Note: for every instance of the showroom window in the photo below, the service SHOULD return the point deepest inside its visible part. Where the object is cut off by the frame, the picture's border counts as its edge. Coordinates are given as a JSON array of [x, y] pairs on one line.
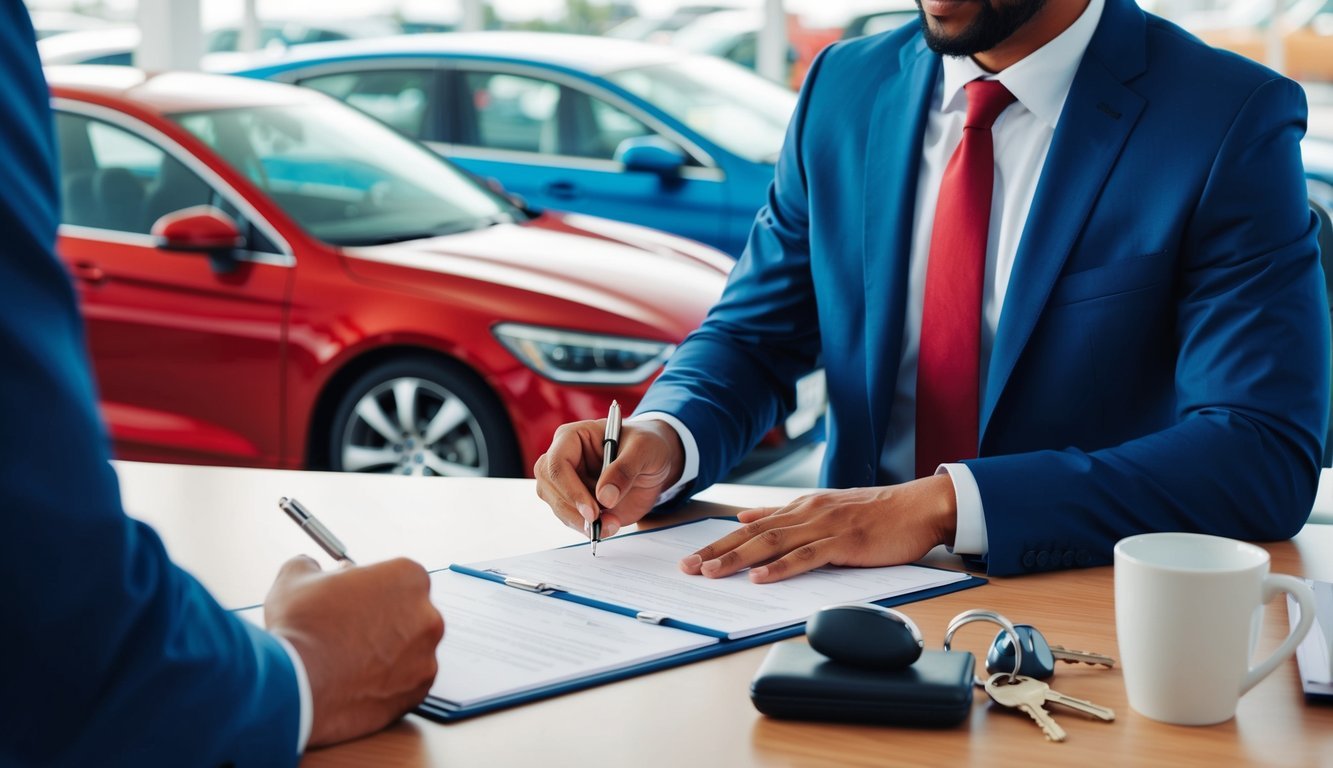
[[399, 98], [112, 179]]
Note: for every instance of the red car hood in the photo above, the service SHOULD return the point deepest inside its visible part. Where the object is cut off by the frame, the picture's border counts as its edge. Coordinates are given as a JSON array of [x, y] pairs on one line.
[[643, 276]]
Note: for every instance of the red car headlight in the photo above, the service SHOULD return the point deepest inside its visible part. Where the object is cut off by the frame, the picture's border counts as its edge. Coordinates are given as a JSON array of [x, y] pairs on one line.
[[583, 358]]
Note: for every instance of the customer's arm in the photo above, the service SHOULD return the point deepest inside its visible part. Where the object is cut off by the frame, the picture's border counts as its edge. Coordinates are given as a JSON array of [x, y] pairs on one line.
[[113, 655]]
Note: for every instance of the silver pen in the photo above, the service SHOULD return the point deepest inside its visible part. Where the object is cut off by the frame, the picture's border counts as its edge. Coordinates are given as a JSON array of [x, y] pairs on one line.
[[610, 445], [322, 536]]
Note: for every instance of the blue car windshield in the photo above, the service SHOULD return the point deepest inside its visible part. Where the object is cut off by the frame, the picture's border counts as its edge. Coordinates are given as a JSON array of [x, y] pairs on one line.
[[729, 105], [346, 178]]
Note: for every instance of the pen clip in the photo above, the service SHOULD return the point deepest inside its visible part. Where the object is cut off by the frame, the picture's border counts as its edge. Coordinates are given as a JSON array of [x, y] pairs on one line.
[[651, 618]]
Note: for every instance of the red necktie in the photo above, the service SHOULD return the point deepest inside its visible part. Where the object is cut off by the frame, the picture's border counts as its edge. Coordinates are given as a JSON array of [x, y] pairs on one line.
[[949, 363]]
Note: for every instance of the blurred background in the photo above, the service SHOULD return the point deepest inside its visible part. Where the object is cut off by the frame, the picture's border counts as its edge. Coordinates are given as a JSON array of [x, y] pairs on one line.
[[1293, 36], [776, 38], [545, 128]]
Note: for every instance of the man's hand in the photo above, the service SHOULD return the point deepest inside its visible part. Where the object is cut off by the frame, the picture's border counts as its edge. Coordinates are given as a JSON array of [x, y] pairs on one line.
[[861, 526], [367, 636], [569, 476]]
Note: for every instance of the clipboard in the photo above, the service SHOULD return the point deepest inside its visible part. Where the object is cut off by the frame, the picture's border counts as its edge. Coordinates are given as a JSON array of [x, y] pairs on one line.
[[441, 710]]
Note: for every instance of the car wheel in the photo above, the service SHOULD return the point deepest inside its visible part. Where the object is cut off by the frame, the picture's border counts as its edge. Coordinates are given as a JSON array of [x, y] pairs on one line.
[[422, 417]]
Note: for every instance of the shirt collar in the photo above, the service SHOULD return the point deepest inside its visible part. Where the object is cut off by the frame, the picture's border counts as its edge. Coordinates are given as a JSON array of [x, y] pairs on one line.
[[1041, 81]]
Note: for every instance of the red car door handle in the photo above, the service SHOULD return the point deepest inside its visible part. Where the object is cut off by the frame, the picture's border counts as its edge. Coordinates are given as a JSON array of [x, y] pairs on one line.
[[89, 272]]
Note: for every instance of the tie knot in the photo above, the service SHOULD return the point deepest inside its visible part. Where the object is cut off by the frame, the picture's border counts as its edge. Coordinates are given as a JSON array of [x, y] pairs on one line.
[[986, 99]]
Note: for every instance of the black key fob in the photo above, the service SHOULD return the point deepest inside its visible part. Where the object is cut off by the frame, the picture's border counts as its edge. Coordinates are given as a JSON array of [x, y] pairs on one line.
[[865, 635]]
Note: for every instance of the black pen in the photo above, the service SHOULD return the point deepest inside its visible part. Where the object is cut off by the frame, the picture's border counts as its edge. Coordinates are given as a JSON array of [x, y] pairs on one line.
[[610, 444], [322, 536]]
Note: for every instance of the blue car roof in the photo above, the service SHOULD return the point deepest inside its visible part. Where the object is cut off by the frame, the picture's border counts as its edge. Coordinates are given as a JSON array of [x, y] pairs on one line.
[[586, 53]]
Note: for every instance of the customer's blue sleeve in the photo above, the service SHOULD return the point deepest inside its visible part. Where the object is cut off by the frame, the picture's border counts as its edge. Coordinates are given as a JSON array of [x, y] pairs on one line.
[[112, 654]]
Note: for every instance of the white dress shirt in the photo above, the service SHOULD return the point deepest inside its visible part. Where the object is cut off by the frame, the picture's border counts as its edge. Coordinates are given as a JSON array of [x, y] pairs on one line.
[[307, 717], [1022, 134]]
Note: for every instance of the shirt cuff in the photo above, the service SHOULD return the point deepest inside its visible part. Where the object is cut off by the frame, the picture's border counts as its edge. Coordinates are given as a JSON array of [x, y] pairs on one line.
[[970, 538], [303, 688], [691, 468]]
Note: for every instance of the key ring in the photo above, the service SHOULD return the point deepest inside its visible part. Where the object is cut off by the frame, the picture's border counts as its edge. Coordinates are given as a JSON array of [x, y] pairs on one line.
[[978, 614]]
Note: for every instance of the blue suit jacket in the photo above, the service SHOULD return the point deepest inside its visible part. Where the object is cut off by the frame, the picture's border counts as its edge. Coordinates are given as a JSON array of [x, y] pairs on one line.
[[111, 654], [1162, 358]]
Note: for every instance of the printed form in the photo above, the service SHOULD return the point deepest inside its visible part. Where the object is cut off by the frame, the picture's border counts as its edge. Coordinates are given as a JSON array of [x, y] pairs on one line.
[[642, 572], [500, 641]]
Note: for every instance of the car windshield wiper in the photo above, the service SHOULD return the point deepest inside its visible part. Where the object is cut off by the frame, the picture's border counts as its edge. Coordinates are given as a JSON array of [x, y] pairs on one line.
[[440, 231]]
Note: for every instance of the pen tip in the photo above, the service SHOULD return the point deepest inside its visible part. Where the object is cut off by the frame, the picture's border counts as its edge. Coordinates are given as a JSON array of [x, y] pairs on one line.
[[594, 547]]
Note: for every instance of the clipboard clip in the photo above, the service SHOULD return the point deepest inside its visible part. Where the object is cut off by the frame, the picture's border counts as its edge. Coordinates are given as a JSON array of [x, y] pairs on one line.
[[527, 585]]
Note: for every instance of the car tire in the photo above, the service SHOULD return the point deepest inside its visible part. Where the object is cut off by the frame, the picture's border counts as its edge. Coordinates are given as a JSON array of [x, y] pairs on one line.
[[421, 416]]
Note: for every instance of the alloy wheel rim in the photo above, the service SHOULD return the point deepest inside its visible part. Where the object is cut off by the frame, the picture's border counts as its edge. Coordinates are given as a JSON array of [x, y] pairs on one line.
[[413, 426]]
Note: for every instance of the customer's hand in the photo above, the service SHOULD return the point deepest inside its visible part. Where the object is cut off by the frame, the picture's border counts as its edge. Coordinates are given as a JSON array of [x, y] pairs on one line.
[[569, 475], [367, 636], [889, 525]]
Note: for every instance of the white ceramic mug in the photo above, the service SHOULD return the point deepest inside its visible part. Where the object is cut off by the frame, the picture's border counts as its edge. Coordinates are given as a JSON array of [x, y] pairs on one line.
[[1188, 609]]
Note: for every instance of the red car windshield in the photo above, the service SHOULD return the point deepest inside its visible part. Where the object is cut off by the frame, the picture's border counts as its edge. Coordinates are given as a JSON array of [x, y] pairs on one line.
[[344, 177]]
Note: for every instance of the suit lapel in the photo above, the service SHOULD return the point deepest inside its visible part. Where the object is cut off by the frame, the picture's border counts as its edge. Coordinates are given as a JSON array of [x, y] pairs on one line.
[[1099, 114], [893, 156]]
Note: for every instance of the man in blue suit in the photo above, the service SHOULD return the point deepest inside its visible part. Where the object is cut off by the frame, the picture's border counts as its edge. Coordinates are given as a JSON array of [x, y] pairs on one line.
[[112, 655], [1057, 261]]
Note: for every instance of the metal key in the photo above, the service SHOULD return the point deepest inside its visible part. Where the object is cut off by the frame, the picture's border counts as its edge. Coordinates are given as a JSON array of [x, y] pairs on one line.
[[1081, 705], [1039, 657], [1017, 693], [1081, 657]]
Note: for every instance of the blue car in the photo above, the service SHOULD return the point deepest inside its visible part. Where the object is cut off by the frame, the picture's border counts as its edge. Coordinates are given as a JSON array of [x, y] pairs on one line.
[[612, 128]]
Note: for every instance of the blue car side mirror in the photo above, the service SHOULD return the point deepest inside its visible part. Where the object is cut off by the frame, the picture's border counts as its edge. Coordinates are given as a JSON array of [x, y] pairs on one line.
[[650, 154]]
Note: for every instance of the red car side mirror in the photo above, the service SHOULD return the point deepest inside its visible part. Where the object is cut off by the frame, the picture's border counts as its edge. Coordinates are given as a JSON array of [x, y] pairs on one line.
[[201, 228]]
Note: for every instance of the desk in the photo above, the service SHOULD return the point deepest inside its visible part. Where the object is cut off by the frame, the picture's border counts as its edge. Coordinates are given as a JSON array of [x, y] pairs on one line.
[[223, 524]]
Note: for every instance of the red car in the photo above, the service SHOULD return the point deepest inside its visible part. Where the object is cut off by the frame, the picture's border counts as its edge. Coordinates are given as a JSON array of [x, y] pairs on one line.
[[270, 278]]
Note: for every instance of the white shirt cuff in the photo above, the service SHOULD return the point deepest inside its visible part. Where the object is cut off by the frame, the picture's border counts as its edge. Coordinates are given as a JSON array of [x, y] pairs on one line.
[[303, 688], [970, 538], [691, 468]]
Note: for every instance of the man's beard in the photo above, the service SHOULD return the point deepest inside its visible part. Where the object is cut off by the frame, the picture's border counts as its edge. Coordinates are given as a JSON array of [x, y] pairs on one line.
[[991, 27]]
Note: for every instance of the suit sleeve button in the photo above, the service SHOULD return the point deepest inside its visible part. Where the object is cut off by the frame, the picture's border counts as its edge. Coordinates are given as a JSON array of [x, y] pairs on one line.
[[1043, 559], [1029, 559]]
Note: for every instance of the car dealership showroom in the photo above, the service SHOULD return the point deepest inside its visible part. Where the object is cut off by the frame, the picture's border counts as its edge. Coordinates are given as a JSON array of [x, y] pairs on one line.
[[667, 382]]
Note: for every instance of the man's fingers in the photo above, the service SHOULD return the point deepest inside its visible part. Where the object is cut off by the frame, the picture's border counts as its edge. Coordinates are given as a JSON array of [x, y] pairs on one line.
[[768, 544], [806, 557], [611, 524], [560, 484], [622, 475], [759, 513], [694, 563], [301, 565], [564, 511]]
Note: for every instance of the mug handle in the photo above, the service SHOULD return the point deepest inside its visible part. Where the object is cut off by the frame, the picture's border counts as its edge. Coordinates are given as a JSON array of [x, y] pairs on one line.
[[1273, 584]]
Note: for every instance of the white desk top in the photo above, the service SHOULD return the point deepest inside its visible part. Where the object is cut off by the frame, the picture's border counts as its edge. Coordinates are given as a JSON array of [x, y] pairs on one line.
[[218, 500]]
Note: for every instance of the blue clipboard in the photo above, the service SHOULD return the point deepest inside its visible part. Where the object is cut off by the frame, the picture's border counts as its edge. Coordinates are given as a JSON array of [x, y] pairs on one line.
[[440, 710]]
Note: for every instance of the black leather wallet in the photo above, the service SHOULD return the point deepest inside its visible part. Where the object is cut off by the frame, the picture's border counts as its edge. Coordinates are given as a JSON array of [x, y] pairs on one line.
[[797, 682]]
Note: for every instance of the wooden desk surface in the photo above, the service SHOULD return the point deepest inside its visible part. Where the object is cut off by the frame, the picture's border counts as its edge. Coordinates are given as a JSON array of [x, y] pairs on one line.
[[224, 526]]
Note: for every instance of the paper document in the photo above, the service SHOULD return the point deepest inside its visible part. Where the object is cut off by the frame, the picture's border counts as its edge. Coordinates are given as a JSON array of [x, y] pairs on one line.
[[1315, 653], [504, 644], [642, 572], [500, 641]]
